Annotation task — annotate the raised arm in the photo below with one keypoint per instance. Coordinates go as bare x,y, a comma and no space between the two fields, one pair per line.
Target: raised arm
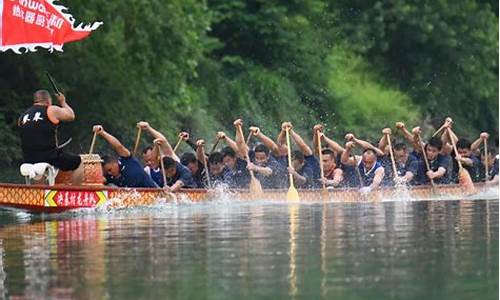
231,143
64,112
200,150
332,144
417,144
406,134
476,145
185,137
164,144
382,144
447,138
317,131
281,140
114,142
240,139
304,148
346,158
269,143
363,144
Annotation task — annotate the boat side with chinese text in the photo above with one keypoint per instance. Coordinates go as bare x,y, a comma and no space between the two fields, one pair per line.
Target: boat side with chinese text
59,198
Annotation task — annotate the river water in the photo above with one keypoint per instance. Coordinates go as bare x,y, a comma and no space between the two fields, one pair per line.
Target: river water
255,250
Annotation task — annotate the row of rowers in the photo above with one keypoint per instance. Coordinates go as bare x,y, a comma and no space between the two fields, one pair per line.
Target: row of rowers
269,161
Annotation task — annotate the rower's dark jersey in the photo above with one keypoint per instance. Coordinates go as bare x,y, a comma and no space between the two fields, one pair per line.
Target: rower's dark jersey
494,171
311,171
351,176
474,170
183,174
38,135
239,176
155,174
224,178
131,175
279,175
367,176
282,178
440,161
411,165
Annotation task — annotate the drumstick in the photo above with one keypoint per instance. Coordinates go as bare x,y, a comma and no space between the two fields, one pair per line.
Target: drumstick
92,143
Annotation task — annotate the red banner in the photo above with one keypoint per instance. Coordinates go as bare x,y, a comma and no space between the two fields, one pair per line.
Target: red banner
27,24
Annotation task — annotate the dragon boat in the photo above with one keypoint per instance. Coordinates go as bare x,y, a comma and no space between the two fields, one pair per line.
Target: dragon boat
60,196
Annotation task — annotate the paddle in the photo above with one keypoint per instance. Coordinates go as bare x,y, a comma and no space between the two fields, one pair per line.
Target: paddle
207,171
448,120
162,165
426,162
292,194
249,137
217,140
485,160
137,140
464,178
391,153
92,144
255,186
177,145
320,156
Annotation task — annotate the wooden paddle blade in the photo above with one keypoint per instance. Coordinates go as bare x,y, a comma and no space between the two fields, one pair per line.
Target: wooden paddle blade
255,186
465,181
292,194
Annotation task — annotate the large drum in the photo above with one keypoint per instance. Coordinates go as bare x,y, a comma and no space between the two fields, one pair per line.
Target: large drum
92,170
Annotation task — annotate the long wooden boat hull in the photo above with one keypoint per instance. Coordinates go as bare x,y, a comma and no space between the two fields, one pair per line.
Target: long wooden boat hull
59,198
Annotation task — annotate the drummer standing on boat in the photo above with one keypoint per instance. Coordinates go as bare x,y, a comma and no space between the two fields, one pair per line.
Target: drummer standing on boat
38,126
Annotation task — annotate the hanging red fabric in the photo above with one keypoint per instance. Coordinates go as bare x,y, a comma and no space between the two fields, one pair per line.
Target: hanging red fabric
27,24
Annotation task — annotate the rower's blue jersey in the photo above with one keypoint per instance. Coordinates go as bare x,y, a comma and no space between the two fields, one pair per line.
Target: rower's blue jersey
183,174
440,161
131,175
311,171
239,177
494,170
367,176
474,170
280,174
411,165
351,178
155,174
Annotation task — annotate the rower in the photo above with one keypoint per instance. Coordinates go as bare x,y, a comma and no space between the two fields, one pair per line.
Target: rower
38,127
124,171
269,154
370,170
333,174
494,174
259,160
305,166
438,163
177,175
488,159
235,162
151,155
196,168
406,164
217,172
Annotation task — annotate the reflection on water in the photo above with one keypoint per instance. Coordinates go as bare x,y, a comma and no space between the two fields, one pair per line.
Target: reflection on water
391,250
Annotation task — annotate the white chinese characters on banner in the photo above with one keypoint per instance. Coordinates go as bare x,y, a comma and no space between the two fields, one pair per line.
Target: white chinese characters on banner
37,15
